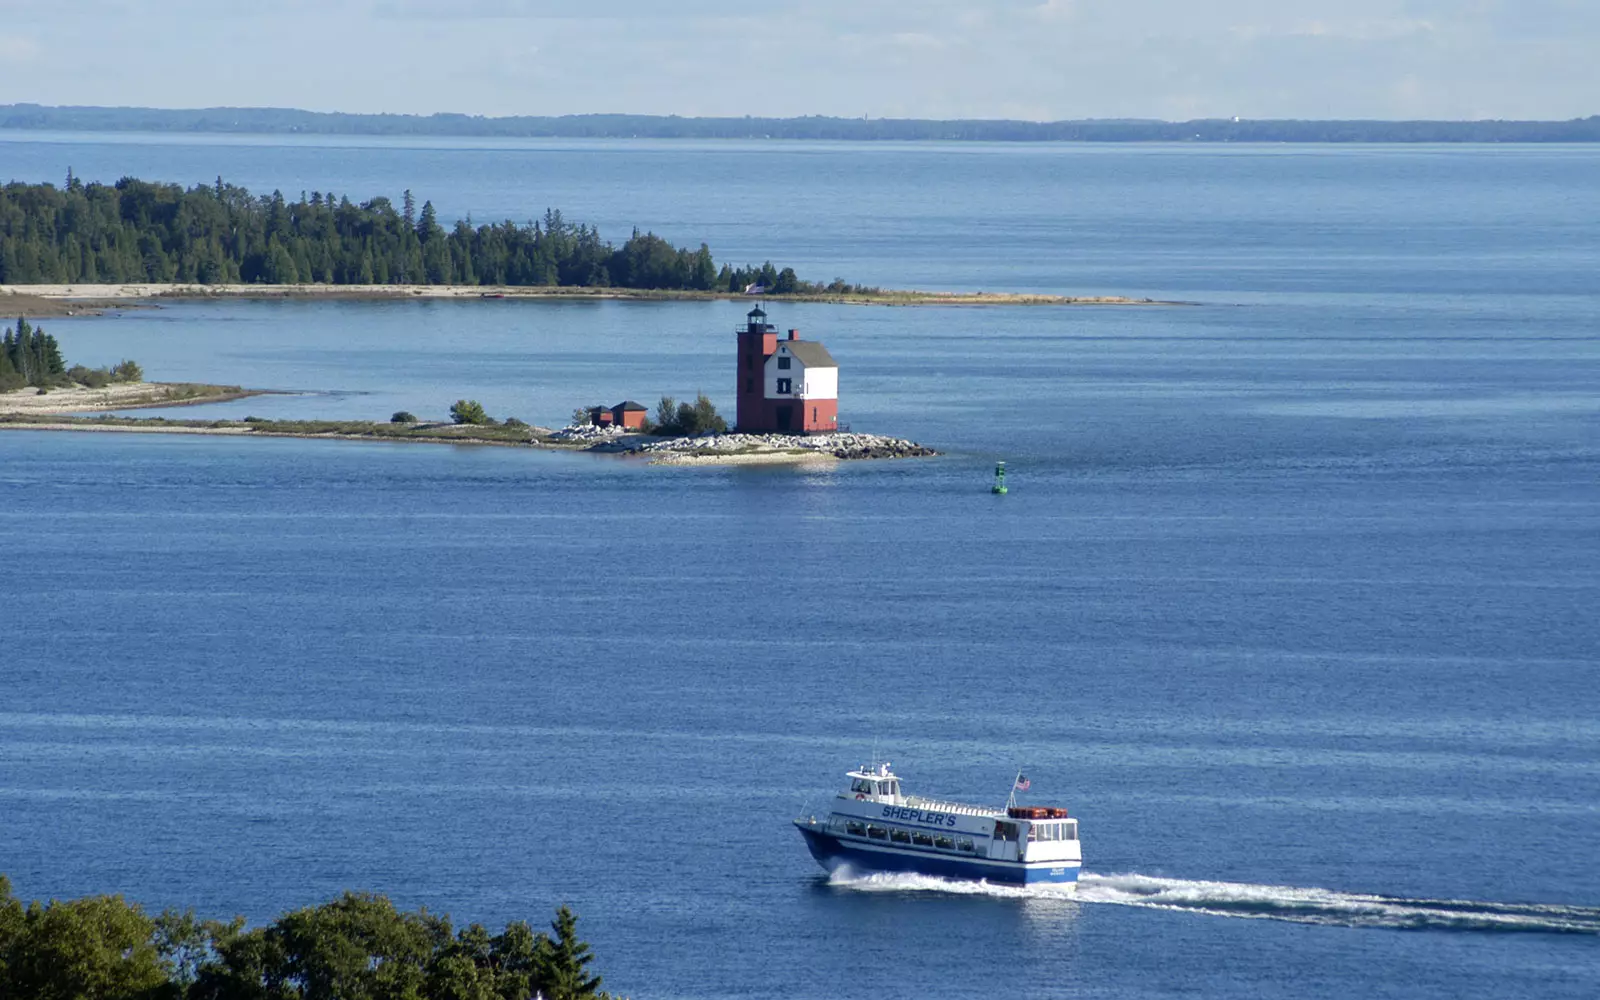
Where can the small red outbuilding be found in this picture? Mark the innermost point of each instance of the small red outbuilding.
(628, 415)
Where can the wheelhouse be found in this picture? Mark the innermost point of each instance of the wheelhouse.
(874, 783)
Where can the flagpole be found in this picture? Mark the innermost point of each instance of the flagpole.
(1011, 799)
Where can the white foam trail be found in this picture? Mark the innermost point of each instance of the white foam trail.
(1264, 902)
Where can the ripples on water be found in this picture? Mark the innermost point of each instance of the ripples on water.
(1295, 587)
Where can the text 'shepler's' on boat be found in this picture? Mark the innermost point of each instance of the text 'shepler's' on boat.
(873, 827)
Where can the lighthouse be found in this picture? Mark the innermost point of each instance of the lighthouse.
(786, 386)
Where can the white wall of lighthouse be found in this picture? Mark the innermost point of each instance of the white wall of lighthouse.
(804, 383)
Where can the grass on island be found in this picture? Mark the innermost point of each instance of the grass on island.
(497, 433)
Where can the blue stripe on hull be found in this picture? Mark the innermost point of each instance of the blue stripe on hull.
(832, 853)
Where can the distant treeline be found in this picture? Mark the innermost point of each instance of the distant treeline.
(275, 120)
(357, 947)
(136, 231)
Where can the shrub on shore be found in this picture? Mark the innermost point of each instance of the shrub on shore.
(403, 417)
(675, 419)
(469, 411)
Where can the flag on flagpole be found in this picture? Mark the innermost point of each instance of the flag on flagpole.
(1023, 783)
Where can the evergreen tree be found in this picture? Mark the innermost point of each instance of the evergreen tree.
(561, 963)
(139, 231)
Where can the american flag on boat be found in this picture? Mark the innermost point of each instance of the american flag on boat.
(1023, 784)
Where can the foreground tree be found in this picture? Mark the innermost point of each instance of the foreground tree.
(96, 947)
(563, 961)
(356, 947)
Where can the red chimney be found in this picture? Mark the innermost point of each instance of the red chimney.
(793, 334)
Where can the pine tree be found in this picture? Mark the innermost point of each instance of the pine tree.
(560, 963)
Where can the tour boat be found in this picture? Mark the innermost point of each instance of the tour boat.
(873, 827)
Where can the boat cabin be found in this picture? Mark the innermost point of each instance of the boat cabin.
(874, 783)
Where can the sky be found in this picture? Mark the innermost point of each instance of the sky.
(1030, 59)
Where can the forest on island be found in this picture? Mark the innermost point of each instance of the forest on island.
(137, 231)
(356, 947)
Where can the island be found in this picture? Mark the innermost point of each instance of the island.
(136, 240)
(67, 409)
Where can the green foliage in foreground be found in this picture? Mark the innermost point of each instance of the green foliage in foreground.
(136, 231)
(684, 419)
(29, 356)
(356, 947)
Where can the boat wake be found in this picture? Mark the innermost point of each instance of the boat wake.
(1265, 902)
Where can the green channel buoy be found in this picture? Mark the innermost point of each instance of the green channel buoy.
(999, 486)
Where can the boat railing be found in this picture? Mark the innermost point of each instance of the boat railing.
(940, 805)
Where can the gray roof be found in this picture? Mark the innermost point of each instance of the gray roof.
(810, 353)
(631, 405)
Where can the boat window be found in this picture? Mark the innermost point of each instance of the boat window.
(860, 786)
(900, 836)
(857, 829)
(944, 843)
(922, 839)
(1034, 833)
(1069, 831)
(963, 844)
(877, 832)
(883, 788)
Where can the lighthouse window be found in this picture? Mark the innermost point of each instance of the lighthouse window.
(783, 362)
(784, 384)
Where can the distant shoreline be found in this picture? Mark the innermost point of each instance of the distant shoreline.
(299, 123)
(87, 299)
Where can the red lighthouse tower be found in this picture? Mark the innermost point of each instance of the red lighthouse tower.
(758, 340)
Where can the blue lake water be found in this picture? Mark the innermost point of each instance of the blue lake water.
(1292, 601)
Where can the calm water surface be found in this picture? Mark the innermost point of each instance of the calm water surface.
(1291, 602)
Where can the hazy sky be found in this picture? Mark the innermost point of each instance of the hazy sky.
(1037, 59)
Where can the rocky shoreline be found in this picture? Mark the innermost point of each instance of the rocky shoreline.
(704, 449)
(712, 447)
(91, 299)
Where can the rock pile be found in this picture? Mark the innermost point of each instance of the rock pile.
(841, 445)
(586, 432)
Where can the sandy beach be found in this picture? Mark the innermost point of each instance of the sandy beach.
(119, 396)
